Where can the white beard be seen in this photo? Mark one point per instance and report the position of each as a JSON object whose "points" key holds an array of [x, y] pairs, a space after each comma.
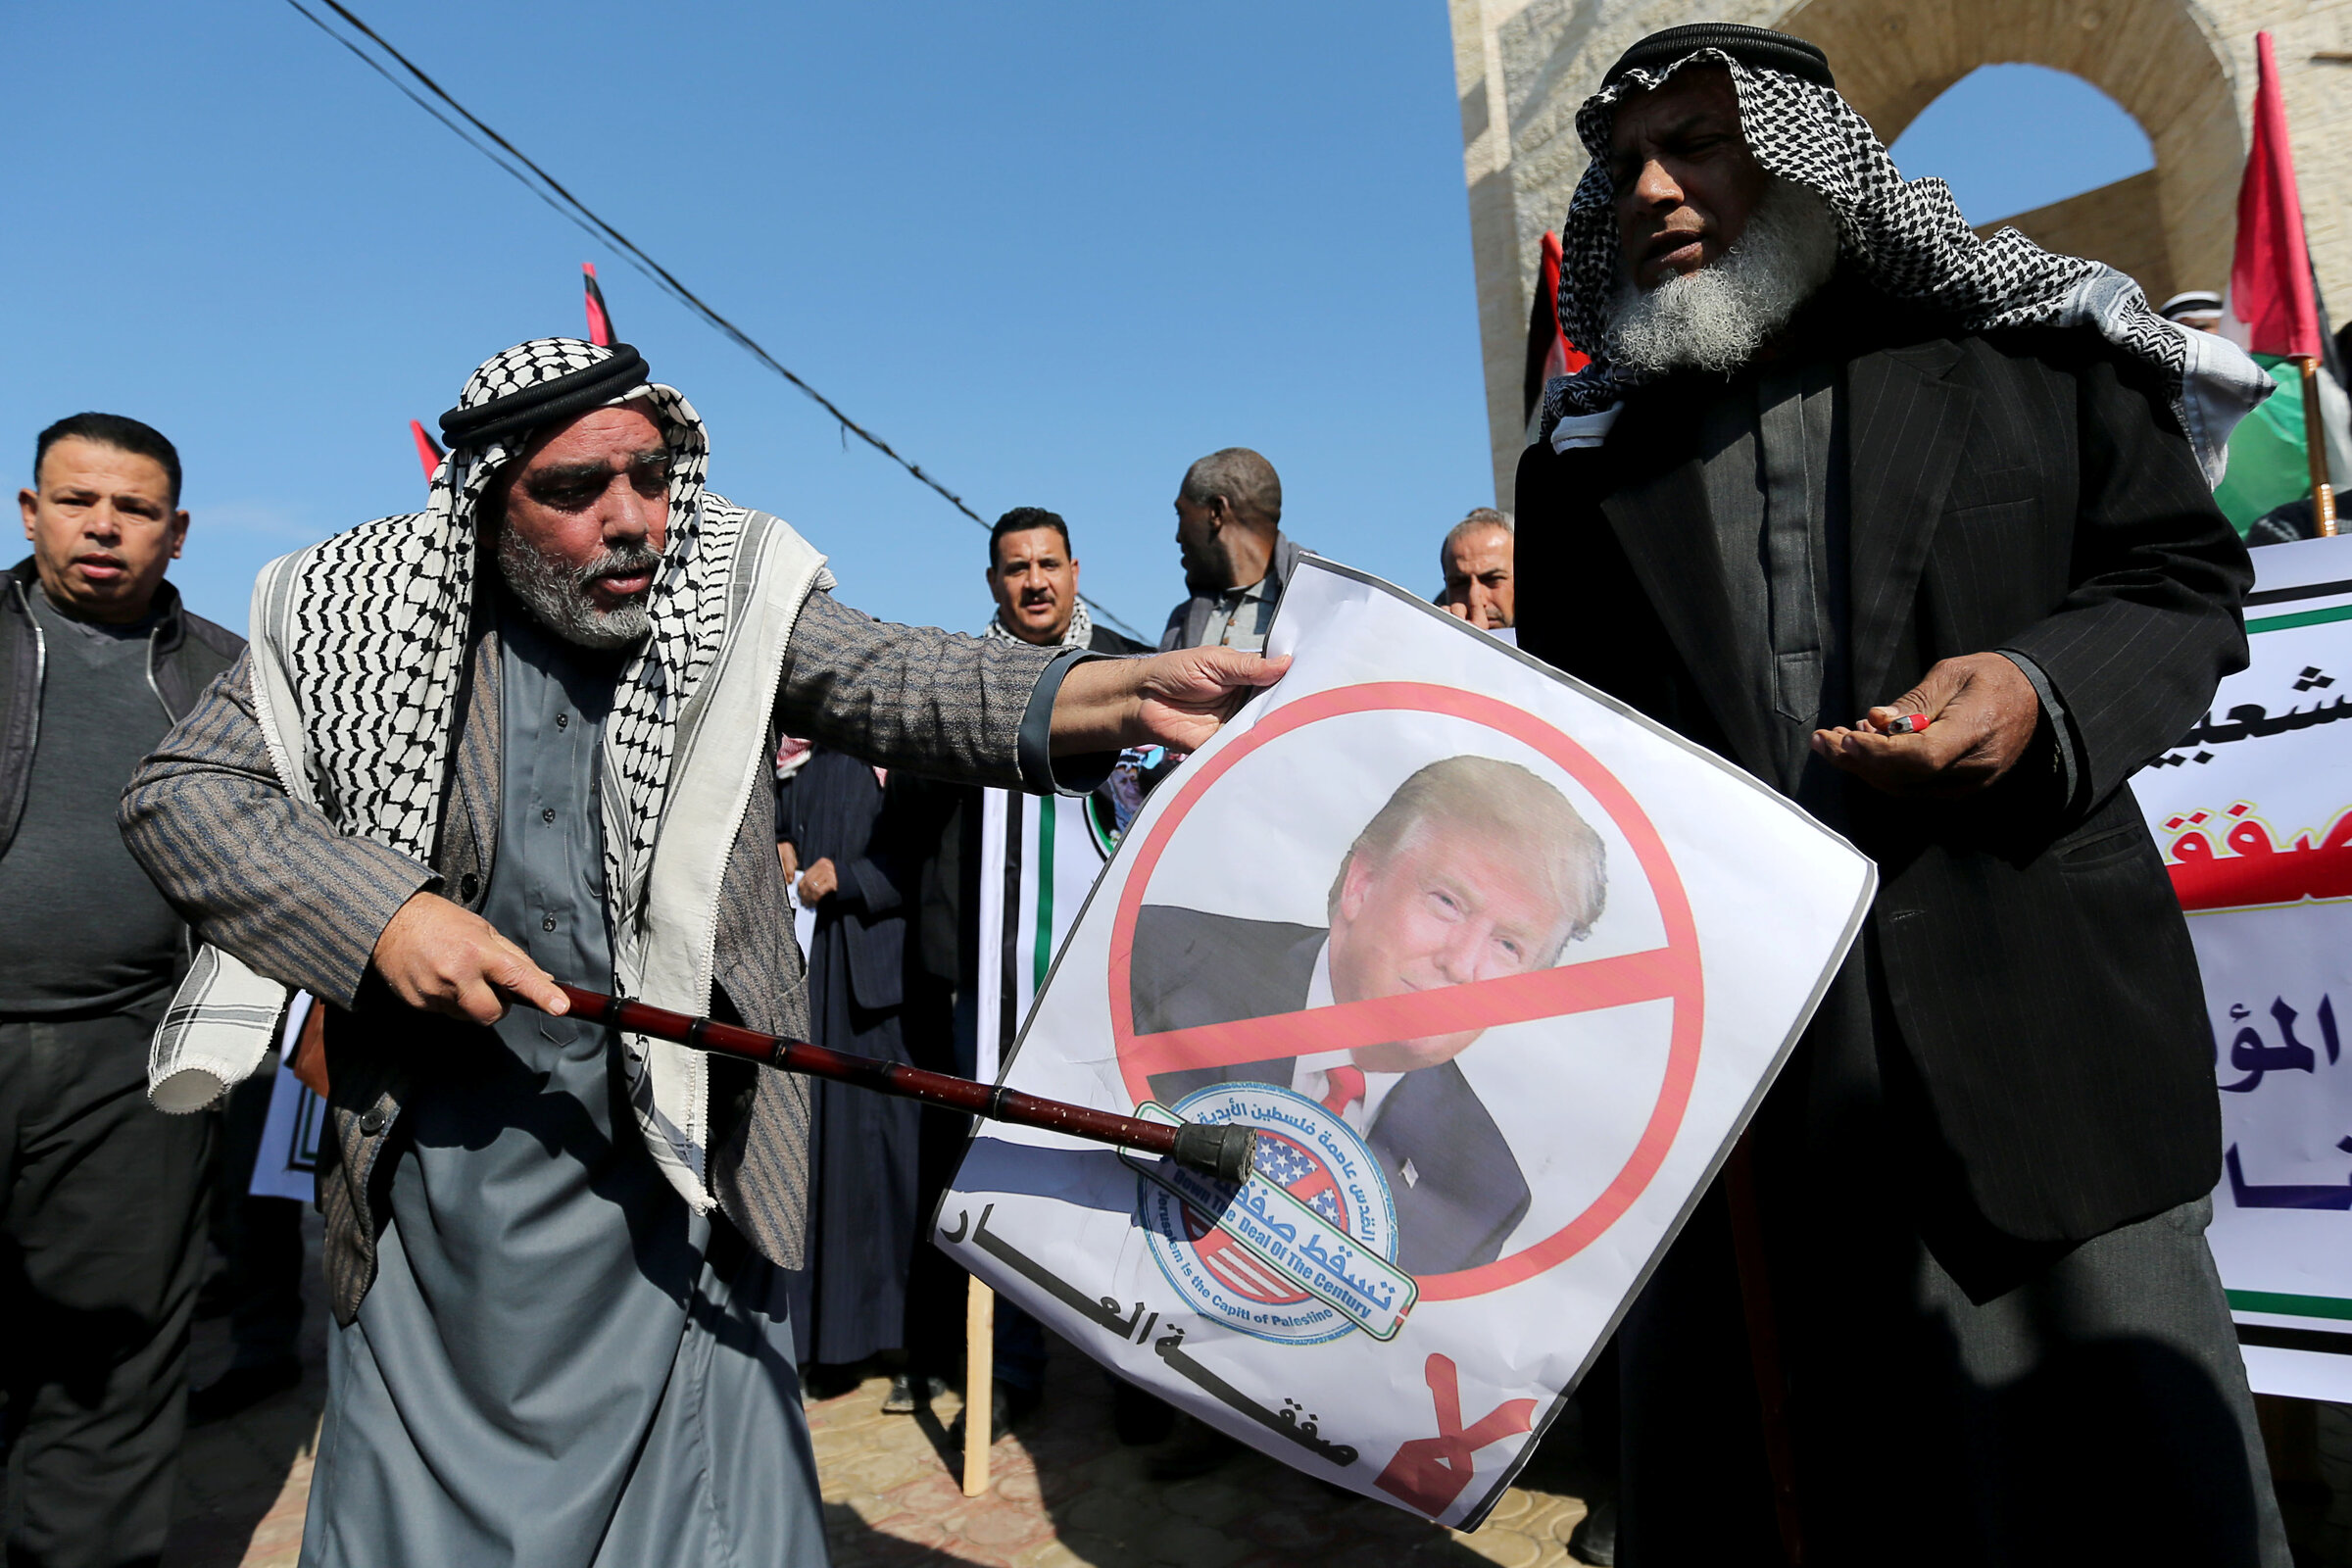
{"points": [[1716, 317], [556, 596]]}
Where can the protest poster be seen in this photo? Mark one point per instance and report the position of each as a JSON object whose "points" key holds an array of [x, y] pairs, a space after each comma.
{"points": [[1039, 857], [1496, 967], [2254, 810], [286, 1166]]}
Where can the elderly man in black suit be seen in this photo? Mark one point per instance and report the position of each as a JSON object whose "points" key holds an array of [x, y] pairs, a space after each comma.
{"points": [[1473, 870], [1837, 455]]}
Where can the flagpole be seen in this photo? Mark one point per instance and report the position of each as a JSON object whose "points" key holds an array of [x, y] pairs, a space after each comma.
{"points": [[2315, 442]]}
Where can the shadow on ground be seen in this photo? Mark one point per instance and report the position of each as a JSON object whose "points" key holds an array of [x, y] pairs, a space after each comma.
{"points": [[1066, 1492], [243, 1482]]}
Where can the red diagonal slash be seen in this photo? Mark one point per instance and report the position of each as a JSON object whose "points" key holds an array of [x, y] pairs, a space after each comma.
{"points": [[1486, 1004], [1672, 972], [1429, 1473]]}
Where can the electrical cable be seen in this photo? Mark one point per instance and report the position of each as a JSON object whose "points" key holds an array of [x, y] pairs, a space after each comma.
{"points": [[585, 218]]}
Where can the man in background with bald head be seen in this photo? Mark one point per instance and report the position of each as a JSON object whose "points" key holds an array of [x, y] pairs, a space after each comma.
{"points": [[1236, 559]]}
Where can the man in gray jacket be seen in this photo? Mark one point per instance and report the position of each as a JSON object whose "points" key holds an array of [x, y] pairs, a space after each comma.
{"points": [[554, 1254], [102, 1238], [1236, 559]]}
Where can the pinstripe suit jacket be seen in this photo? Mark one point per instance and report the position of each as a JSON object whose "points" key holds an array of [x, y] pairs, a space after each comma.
{"points": [[2026, 491], [267, 878]]}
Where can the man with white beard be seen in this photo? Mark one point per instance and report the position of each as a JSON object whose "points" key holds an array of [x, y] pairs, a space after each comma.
{"points": [[1835, 454]]}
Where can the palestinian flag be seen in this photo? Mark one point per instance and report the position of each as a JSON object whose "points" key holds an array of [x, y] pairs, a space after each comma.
{"points": [[1548, 350], [2273, 311], [2274, 302], [600, 320], [429, 450]]}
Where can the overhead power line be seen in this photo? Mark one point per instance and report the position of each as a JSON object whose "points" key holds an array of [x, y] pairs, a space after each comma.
{"points": [[470, 128]]}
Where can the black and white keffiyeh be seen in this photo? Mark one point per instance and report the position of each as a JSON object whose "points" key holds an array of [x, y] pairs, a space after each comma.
{"points": [[1079, 634], [1907, 238], [380, 617]]}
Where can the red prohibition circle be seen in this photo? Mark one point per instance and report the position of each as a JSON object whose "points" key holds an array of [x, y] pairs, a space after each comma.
{"points": [[1671, 972]]}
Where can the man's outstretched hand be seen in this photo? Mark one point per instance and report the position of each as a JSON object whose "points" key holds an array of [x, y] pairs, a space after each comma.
{"points": [[1980, 712], [441, 958], [1174, 700]]}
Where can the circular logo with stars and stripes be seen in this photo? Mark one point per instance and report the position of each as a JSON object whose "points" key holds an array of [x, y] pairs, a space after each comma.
{"points": [[1263, 1258]]}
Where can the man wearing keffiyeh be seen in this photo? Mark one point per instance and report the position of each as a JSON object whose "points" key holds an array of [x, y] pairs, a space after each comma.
{"points": [[1837, 455], [1033, 576], [525, 735]]}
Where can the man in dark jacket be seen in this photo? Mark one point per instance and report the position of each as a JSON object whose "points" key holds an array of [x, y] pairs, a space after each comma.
{"points": [[1033, 577], [854, 840], [103, 1230], [1836, 455]]}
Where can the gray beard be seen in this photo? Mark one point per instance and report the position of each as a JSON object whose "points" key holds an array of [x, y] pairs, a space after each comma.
{"points": [[1716, 317], [557, 595]]}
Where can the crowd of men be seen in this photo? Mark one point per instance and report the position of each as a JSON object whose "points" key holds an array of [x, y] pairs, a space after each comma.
{"points": [[111, 1201], [1836, 465]]}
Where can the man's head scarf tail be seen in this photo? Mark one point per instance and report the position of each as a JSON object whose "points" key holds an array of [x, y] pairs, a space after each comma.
{"points": [[1904, 238], [380, 615]]}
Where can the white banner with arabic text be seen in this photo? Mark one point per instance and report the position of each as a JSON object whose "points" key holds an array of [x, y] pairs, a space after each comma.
{"points": [[2254, 810]]}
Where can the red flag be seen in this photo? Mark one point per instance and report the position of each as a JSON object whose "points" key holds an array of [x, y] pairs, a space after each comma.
{"points": [[429, 450], [600, 320], [1548, 350], [2271, 295]]}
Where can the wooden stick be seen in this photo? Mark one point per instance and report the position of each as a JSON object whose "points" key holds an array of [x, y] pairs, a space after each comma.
{"points": [[1224, 1153], [2315, 445], [979, 1385]]}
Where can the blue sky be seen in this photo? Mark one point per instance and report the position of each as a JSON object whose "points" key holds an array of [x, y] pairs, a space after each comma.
{"points": [[1052, 252], [2011, 138]]}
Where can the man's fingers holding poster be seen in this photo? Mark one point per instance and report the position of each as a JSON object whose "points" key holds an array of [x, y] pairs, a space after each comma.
{"points": [[1175, 700], [1961, 728], [1186, 695], [440, 958]]}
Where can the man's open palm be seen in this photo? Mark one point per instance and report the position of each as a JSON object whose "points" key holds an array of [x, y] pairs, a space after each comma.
{"points": [[1982, 713]]}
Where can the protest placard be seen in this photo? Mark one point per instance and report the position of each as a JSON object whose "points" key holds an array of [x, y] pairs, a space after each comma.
{"points": [[2254, 810], [1039, 857], [1496, 967], [286, 1166]]}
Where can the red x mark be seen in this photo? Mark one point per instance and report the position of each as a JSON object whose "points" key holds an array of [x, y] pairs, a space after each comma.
{"points": [[1429, 1473], [1483, 1005], [1672, 971]]}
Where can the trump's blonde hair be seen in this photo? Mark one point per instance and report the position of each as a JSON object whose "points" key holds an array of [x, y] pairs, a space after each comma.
{"points": [[1506, 804]]}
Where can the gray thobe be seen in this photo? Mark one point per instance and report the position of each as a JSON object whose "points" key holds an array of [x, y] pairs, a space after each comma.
{"points": [[558, 1364], [1952, 1394]]}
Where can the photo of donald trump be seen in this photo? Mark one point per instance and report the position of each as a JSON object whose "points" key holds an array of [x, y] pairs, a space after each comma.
{"points": [[1475, 870]]}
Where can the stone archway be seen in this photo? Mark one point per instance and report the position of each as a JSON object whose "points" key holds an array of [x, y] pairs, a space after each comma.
{"points": [[2169, 227], [2183, 69]]}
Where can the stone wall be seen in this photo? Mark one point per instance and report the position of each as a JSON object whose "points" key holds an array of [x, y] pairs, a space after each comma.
{"points": [[2120, 224], [2183, 69]]}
